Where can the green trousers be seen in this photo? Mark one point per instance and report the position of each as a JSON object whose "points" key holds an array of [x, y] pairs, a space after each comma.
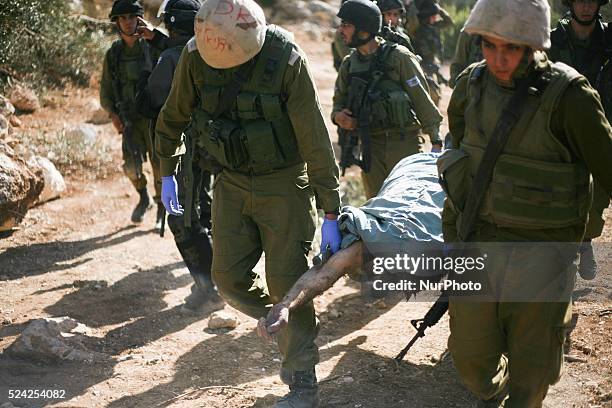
{"points": [[519, 343], [387, 150], [274, 214], [131, 167]]}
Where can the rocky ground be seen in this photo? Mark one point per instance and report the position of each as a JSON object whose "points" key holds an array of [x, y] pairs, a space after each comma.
{"points": [[79, 257]]}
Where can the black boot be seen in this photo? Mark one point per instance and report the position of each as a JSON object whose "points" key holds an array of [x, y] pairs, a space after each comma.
{"points": [[141, 208], [161, 213], [303, 391]]}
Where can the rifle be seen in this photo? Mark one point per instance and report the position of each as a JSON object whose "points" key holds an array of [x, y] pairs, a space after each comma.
{"points": [[123, 112], [431, 318], [360, 99]]}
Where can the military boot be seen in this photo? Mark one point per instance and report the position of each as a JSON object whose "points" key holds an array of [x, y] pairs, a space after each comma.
{"points": [[159, 218], [202, 301], [141, 208], [587, 267], [303, 390]]}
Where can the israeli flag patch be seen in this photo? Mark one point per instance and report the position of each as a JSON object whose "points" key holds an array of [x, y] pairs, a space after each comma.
{"points": [[414, 81]]}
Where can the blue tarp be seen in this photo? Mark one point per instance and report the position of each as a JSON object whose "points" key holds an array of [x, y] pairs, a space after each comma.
{"points": [[407, 208]]}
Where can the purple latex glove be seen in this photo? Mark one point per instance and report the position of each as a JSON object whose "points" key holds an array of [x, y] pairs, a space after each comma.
{"points": [[169, 196], [330, 235]]}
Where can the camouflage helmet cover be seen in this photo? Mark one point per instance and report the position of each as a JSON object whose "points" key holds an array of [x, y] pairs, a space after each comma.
{"points": [[524, 22]]}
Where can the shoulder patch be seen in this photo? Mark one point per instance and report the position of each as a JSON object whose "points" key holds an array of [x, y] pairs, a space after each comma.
{"points": [[295, 55], [413, 82], [191, 45]]}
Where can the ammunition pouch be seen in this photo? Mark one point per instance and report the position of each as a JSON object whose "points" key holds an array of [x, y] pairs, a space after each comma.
{"points": [[454, 176], [222, 138]]}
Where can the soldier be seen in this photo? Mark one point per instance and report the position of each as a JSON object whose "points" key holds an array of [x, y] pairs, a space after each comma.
{"points": [[192, 240], [127, 65], [392, 30], [467, 52], [398, 98], [428, 44], [584, 42], [250, 95], [536, 191]]}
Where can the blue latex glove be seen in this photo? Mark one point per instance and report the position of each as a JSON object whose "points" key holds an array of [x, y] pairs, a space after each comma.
{"points": [[169, 195], [330, 235]]}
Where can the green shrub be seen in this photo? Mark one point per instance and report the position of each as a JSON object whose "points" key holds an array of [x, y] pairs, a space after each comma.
{"points": [[42, 45]]}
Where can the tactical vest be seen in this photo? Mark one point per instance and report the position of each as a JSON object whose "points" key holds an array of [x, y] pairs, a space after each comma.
{"points": [[391, 107], [256, 135], [133, 71], [535, 184]]}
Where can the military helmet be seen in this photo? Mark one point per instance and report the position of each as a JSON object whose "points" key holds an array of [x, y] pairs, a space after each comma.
{"points": [[363, 14], [524, 22], [121, 7], [428, 9], [568, 3], [179, 14], [228, 33], [386, 5]]}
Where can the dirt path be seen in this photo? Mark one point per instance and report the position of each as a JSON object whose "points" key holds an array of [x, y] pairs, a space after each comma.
{"points": [[79, 257]]}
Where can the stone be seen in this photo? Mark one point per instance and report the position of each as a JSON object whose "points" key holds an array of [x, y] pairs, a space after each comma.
{"points": [[21, 182], [53, 340], [257, 355], [222, 319], [294, 10], [15, 121], [83, 134], [4, 127], [54, 181], [6, 107], [24, 99]]}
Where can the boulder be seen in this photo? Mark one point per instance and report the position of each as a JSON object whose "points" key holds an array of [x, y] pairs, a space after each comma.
{"points": [[20, 185], [293, 10], [53, 340], [84, 134], [24, 99], [99, 116], [54, 182], [6, 107], [223, 319]]}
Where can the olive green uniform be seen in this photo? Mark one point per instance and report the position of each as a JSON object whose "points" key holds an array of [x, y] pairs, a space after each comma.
{"points": [[496, 342], [587, 57], [339, 50], [389, 141], [467, 52], [255, 208], [130, 67]]}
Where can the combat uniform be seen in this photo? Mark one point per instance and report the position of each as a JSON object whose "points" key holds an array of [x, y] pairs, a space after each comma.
{"points": [[589, 58], [131, 65], [264, 198], [403, 109], [539, 193]]}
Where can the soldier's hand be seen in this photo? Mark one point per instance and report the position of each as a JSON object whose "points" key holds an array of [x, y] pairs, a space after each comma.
{"points": [[277, 319], [145, 29], [345, 120], [169, 196], [117, 122]]}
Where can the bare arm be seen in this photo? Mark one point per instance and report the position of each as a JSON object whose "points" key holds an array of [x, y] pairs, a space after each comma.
{"points": [[313, 283]]}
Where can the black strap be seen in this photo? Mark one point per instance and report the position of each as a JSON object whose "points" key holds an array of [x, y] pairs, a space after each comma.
{"points": [[508, 119], [231, 90]]}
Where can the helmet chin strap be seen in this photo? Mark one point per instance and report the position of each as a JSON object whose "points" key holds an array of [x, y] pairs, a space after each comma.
{"points": [[596, 17], [358, 42]]}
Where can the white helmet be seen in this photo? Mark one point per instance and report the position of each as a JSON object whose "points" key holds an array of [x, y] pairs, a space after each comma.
{"points": [[525, 22], [228, 33]]}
